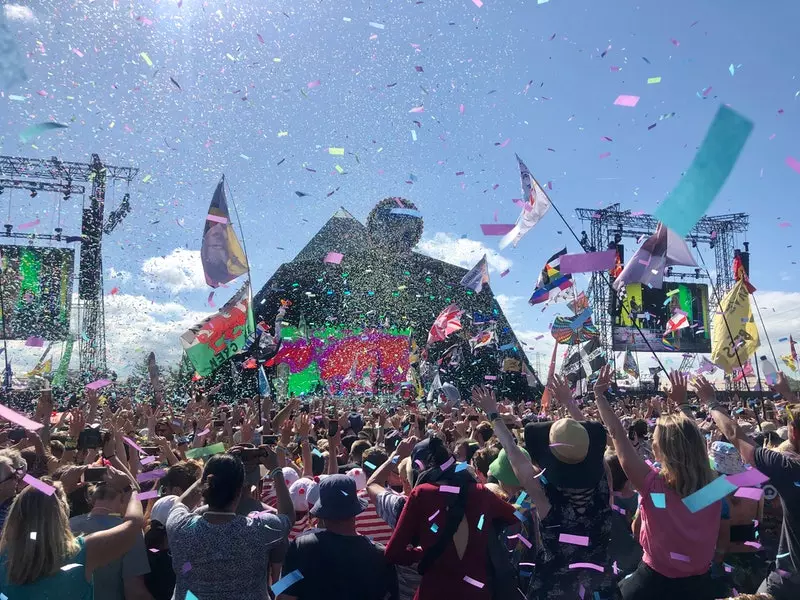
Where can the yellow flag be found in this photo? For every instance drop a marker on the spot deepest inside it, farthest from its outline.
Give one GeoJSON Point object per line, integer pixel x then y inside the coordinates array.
{"type": "Point", "coordinates": [735, 308]}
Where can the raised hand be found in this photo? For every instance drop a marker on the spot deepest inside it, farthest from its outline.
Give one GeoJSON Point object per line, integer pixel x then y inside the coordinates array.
{"type": "Point", "coordinates": [404, 447]}
{"type": "Point", "coordinates": [782, 387]}
{"type": "Point", "coordinates": [484, 397]}
{"type": "Point", "coordinates": [679, 383]}
{"type": "Point", "coordinates": [603, 381]}
{"type": "Point", "coordinates": [560, 389]}
{"type": "Point", "coordinates": [705, 391]}
{"type": "Point", "coordinates": [303, 425]}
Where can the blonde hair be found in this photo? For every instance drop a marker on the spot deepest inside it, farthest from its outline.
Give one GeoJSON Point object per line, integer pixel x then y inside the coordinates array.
{"type": "Point", "coordinates": [29, 560]}
{"type": "Point", "coordinates": [681, 449]}
{"type": "Point", "coordinates": [406, 471]}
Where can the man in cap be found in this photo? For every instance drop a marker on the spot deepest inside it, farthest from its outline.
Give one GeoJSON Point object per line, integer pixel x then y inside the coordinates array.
{"type": "Point", "coordinates": [333, 563]}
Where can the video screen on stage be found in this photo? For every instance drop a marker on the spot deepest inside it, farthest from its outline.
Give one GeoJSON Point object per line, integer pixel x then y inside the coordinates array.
{"type": "Point", "coordinates": [343, 359]}
{"type": "Point", "coordinates": [651, 310]}
{"type": "Point", "coordinates": [36, 292]}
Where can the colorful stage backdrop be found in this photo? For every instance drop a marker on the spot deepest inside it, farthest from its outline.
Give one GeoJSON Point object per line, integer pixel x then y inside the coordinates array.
{"type": "Point", "coordinates": [36, 286]}
{"type": "Point", "coordinates": [344, 358]}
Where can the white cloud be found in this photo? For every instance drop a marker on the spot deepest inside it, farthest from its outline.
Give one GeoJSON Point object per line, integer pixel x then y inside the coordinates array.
{"type": "Point", "coordinates": [121, 276]}
{"type": "Point", "coordinates": [178, 271]}
{"type": "Point", "coordinates": [18, 12]}
{"type": "Point", "coordinates": [463, 252]}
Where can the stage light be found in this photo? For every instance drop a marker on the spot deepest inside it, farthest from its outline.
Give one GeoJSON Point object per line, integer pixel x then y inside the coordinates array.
{"type": "Point", "coordinates": [669, 272]}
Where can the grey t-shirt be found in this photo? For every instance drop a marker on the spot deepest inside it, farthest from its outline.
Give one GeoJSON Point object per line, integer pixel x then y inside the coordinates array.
{"type": "Point", "coordinates": [109, 580]}
{"type": "Point", "coordinates": [223, 561]}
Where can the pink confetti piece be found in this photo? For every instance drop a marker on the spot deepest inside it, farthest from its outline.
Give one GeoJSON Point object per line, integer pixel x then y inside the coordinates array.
{"type": "Point", "coordinates": [522, 539]}
{"type": "Point", "coordinates": [187, 566]}
{"type": "Point", "coordinates": [461, 109]}
{"type": "Point", "coordinates": [504, 273]}
{"type": "Point", "coordinates": [148, 460]}
{"type": "Point", "coordinates": [449, 489]}
{"type": "Point", "coordinates": [587, 565]}
{"type": "Point", "coordinates": [604, 155]}
{"type": "Point", "coordinates": [260, 39]}
{"type": "Point", "coordinates": [151, 475]}
{"type": "Point", "coordinates": [39, 485]}
{"type": "Point", "coordinates": [478, 3]}
{"type": "Point", "coordinates": [749, 478]}
{"type": "Point", "coordinates": [314, 84]}
{"type": "Point", "coordinates": [333, 258]}
{"type": "Point", "coordinates": [619, 509]}
{"type": "Point", "coordinates": [77, 52]}
{"type": "Point", "coordinates": [624, 100]}
{"type": "Point", "coordinates": [21, 420]}
{"type": "Point", "coordinates": [42, 93]}
{"type": "Point", "coordinates": [417, 109]}
{"type": "Point", "coordinates": [496, 228]}
{"type": "Point", "coordinates": [675, 42]}
{"type": "Point", "coordinates": [706, 92]}
{"type": "Point", "coordinates": [784, 224]}
{"type": "Point", "coordinates": [793, 163]}
{"type": "Point", "coordinates": [29, 224]}
{"type": "Point", "coordinates": [490, 377]}
{"type": "Point", "coordinates": [148, 495]}
{"type": "Point", "coordinates": [433, 516]}
{"type": "Point", "coordinates": [217, 219]}
{"type": "Point", "coordinates": [577, 540]}
{"type": "Point", "coordinates": [96, 385]}
{"type": "Point", "coordinates": [504, 144]}
{"type": "Point", "coordinates": [680, 557]}
{"type": "Point", "coordinates": [614, 69]}
{"type": "Point", "coordinates": [211, 300]}
{"type": "Point", "coordinates": [755, 545]}
{"type": "Point", "coordinates": [467, 578]}
{"type": "Point", "coordinates": [133, 444]}
{"type": "Point", "coordinates": [448, 464]}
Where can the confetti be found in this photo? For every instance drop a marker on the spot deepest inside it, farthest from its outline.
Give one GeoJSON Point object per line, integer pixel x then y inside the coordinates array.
{"type": "Point", "coordinates": [659, 499]}
{"type": "Point", "coordinates": [629, 101]}
{"type": "Point", "coordinates": [587, 565]}
{"type": "Point", "coordinates": [286, 582]}
{"type": "Point", "coordinates": [467, 578]}
{"type": "Point", "coordinates": [793, 163]}
{"type": "Point", "coordinates": [39, 485]}
{"type": "Point", "coordinates": [651, 80]}
{"type": "Point", "coordinates": [146, 59]}
{"type": "Point", "coordinates": [577, 540]}
{"type": "Point", "coordinates": [680, 557]}
{"type": "Point", "coordinates": [34, 131]}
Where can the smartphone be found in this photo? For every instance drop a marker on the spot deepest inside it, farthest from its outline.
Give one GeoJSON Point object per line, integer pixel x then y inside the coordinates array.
{"type": "Point", "coordinates": [333, 427]}
{"type": "Point", "coordinates": [91, 438]}
{"type": "Point", "coordinates": [251, 455]}
{"type": "Point", "coordinates": [151, 450]}
{"type": "Point", "coordinates": [16, 435]}
{"type": "Point", "coordinates": [94, 474]}
{"type": "Point", "coordinates": [219, 423]}
{"type": "Point", "coordinates": [269, 440]}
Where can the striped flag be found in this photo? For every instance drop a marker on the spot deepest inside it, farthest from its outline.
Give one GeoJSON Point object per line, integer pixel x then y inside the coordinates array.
{"type": "Point", "coordinates": [551, 282]}
{"type": "Point", "coordinates": [222, 255]}
{"type": "Point", "coordinates": [477, 276]}
{"type": "Point", "coordinates": [588, 359]}
{"type": "Point", "coordinates": [535, 206]}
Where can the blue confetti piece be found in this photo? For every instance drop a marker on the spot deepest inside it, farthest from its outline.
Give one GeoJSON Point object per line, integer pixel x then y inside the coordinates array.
{"type": "Point", "coordinates": [506, 347]}
{"type": "Point", "coordinates": [659, 500]}
{"type": "Point", "coordinates": [519, 515]}
{"type": "Point", "coordinates": [543, 479]}
{"type": "Point", "coordinates": [713, 492]}
{"type": "Point", "coordinates": [480, 523]}
{"type": "Point", "coordinates": [285, 582]}
{"type": "Point", "coordinates": [712, 164]}
{"type": "Point", "coordinates": [522, 495]}
{"type": "Point", "coordinates": [434, 528]}
{"type": "Point", "coordinates": [461, 466]}
{"type": "Point", "coordinates": [190, 595]}
{"type": "Point", "coordinates": [369, 465]}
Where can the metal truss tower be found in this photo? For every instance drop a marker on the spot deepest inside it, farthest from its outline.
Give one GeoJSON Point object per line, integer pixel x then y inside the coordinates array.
{"type": "Point", "coordinates": [55, 175]}
{"type": "Point", "coordinates": [608, 226]}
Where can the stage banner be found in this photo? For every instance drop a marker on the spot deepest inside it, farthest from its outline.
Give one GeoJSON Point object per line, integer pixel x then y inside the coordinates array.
{"type": "Point", "coordinates": [219, 337]}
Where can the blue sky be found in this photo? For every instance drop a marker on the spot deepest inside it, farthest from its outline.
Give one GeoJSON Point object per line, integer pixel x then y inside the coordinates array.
{"type": "Point", "coordinates": [245, 105]}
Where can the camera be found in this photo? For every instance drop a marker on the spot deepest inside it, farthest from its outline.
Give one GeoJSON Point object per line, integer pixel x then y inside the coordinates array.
{"type": "Point", "coordinates": [91, 438]}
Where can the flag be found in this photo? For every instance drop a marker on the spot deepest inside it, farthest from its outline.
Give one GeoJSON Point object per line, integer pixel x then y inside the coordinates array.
{"type": "Point", "coordinates": [477, 276]}
{"type": "Point", "coordinates": [629, 364]}
{"type": "Point", "coordinates": [483, 338]}
{"type": "Point", "coordinates": [793, 350]}
{"type": "Point", "coordinates": [706, 366]}
{"type": "Point", "coordinates": [739, 272]}
{"type": "Point", "coordinates": [789, 361]}
{"type": "Point", "coordinates": [61, 373]}
{"type": "Point", "coordinates": [663, 249]}
{"type": "Point", "coordinates": [436, 385]}
{"type": "Point", "coordinates": [735, 310]}
{"type": "Point", "coordinates": [448, 321]}
{"type": "Point", "coordinates": [579, 304]}
{"type": "Point", "coordinates": [535, 206]}
{"type": "Point", "coordinates": [551, 281]}
{"type": "Point", "coordinates": [677, 321]}
{"type": "Point", "coordinates": [222, 335]}
{"type": "Point", "coordinates": [668, 345]}
{"type": "Point", "coordinates": [745, 371]}
{"type": "Point", "coordinates": [222, 255]}
{"type": "Point", "coordinates": [263, 383]}
{"type": "Point", "coordinates": [587, 359]}
{"type": "Point", "coordinates": [41, 368]}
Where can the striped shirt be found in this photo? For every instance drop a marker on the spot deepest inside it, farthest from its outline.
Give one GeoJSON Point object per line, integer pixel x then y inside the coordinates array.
{"type": "Point", "coordinates": [302, 523]}
{"type": "Point", "coordinates": [370, 525]}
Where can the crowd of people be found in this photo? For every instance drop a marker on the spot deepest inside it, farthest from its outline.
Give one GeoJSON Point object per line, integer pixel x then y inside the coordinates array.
{"type": "Point", "coordinates": [691, 495]}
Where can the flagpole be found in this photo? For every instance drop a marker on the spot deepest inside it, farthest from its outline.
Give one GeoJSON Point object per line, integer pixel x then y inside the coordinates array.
{"type": "Point", "coordinates": [764, 327]}
{"type": "Point", "coordinates": [610, 288]}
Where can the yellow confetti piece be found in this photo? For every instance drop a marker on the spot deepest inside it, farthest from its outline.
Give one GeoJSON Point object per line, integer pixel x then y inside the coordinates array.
{"type": "Point", "coordinates": [654, 80]}
{"type": "Point", "coordinates": [336, 151]}
{"type": "Point", "coordinates": [147, 178]}
{"type": "Point", "coordinates": [146, 59]}
{"type": "Point", "coordinates": [230, 57]}
{"type": "Point", "coordinates": [283, 133]}
{"type": "Point", "coordinates": [276, 60]}
{"type": "Point", "coordinates": [339, 169]}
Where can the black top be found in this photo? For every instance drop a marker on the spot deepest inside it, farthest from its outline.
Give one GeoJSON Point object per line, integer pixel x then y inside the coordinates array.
{"type": "Point", "coordinates": [339, 566]}
{"type": "Point", "coordinates": [583, 475]}
{"type": "Point", "coordinates": [160, 581]}
{"type": "Point", "coordinates": [784, 473]}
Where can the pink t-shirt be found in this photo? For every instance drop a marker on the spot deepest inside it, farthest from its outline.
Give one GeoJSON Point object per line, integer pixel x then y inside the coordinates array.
{"type": "Point", "coordinates": [676, 542]}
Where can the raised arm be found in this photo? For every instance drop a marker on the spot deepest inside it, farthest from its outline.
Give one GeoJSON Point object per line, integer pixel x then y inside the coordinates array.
{"type": "Point", "coordinates": [105, 547]}
{"type": "Point", "coordinates": [728, 426]}
{"type": "Point", "coordinates": [633, 464]}
{"type": "Point", "coordinates": [303, 430]}
{"type": "Point", "coordinates": [521, 464]}
{"type": "Point", "coordinates": [377, 482]}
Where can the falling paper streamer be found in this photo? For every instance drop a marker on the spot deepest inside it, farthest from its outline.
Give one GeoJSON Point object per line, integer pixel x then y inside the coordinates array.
{"type": "Point", "coordinates": [146, 58]}
{"type": "Point", "coordinates": [21, 420]}
{"type": "Point", "coordinates": [496, 228]}
{"type": "Point", "coordinates": [334, 258]}
{"type": "Point", "coordinates": [654, 80]}
{"type": "Point", "coordinates": [587, 262]}
{"type": "Point", "coordinates": [211, 300]}
{"type": "Point", "coordinates": [33, 131]}
{"type": "Point", "coordinates": [793, 163]}
{"type": "Point", "coordinates": [629, 101]}
{"type": "Point", "coordinates": [712, 164]}
{"type": "Point", "coordinates": [29, 224]}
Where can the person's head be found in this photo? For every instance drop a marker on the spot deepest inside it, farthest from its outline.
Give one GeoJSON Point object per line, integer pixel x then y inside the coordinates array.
{"type": "Point", "coordinates": [484, 432]}
{"type": "Point", "coordinates": [180, 477]}
{"type": "Point", "coordinates": [31, 558]}
{"type": "Point", "coordinates": [300, 492]}
{"type": "Point", "coordinates": [483, 458]}
{"type": "Point", "coordinates": [155, 537]}
{"type": "Point", "coordinates": [9, 478]}
{"type": "Point", "coordinates": [223, 478]}
{"type": "Point", "coordinates": [406, 474]}
{"type": "Point", "coordinates": [372, 458]}
{"type": "Point", "coordinates": [724, 459]}
{"type": "Point", "coordinates": [338, 503]}
{"type": "Point", "coordinates": [56, 448]}
{"type": "Point", "coordinates": [465, 449]}
{"type": "Point", "coordinates": [680, 448]}
{"type": "Point", "coordinates": [501, 470]}
{"type": "Point", "coordinates": [357, 450]}
{"type": "Point", "coordinates": [793, 412]}
{"type": "Point", "coordinates": [637, 430]}
{"type": "Point", "coordinates": [106, 497]}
